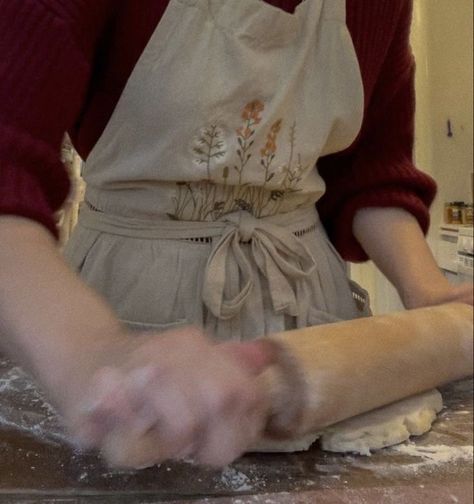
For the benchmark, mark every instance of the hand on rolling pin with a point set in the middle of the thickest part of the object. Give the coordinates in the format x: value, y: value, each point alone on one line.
x: 393, y: 239
x: 176, y: 395
x: 440, y: 293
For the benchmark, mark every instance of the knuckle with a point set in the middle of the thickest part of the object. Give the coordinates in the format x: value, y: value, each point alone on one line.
x: 188, y: 427
x: 230, y: 398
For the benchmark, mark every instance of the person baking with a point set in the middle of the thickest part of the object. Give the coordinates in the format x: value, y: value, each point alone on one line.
x: 231, y: 148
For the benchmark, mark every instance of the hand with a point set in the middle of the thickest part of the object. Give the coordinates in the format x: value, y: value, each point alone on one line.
x: 172, y: 396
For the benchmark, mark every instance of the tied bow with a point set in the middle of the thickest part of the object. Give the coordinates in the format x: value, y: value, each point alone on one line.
x: 280, y: 256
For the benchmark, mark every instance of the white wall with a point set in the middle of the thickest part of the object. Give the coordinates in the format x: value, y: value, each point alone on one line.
x: 442, y: 41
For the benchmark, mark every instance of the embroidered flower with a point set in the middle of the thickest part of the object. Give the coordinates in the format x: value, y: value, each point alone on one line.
x: 251, y: 116
x: 252, y: 110
x: 209, y: 146
x: 270, y: 146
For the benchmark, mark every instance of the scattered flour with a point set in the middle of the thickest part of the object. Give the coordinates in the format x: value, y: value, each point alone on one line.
x: 436, y: 454
x: 425, y: 459
x: 23, y: 406
x: 236, y: 480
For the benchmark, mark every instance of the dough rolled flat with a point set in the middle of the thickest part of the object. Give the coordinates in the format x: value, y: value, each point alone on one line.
x: 385, y: 426
x: 303, y: 443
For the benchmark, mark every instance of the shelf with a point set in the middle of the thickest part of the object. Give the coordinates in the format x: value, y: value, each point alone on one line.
x: 453, y: 227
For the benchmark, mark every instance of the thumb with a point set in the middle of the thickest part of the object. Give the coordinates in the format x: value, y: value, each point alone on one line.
x: 254, y: 356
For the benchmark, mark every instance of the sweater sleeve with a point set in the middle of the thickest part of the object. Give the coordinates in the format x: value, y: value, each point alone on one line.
x: 378, y: 170
x: 46, y: 52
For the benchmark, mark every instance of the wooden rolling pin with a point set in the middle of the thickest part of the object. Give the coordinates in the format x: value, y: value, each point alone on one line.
x: 325, y: 374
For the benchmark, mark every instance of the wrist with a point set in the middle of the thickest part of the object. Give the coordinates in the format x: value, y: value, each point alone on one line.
x: 425, y: 292
x: 77, y: 361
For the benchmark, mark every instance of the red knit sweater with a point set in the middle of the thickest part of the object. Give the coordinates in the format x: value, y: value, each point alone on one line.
x: 64, y: 64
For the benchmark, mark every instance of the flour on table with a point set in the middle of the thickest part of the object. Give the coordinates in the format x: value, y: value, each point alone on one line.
x: 385, y: 426
x: 24, y: 407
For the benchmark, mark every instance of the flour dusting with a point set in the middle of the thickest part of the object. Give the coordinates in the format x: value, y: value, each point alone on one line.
x: 418, y: 459
x: 23, y: 406
x: 236, y: 480
x: 436, y: 454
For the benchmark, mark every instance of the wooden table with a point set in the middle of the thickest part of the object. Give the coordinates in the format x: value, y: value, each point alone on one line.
x: 36, y: 465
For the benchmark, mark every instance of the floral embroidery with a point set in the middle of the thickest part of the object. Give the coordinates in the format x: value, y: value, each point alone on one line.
x: 225, y: 188
x: 244, y: 134
x: 209, y: 145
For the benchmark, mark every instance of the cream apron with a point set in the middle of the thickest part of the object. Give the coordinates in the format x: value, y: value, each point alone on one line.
x: 200, y: 200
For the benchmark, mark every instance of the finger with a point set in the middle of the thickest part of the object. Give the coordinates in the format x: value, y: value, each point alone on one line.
x: 127, y: 448
x: 165, y: 425
x: 222, y: 443
x: 235, y: 421
x: 130, y: 446
x: 107, y: 405
x: 181, y: 417
x: 227, y: 438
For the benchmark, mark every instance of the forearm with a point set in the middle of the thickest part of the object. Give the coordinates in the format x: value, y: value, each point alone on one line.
x: 47, y: 315
x: 140, y: 399
x: 394, y: 241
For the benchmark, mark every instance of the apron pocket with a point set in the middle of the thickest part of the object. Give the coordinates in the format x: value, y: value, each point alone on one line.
x: 361, y: 299
x: 152, y: 327
x: 79, y: 245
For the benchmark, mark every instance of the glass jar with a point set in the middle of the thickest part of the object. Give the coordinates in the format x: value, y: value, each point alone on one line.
x: 448, y: 213
x: 467, y: 214
x: 456, y: 212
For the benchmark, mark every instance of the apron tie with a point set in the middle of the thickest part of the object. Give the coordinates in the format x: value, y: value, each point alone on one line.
x: 280, y: 256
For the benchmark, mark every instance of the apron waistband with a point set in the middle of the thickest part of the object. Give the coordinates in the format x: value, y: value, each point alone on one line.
x: 272, y: 243
x: 299, y: 222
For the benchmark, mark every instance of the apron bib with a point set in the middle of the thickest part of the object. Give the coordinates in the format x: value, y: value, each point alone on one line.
x: 201, y: 190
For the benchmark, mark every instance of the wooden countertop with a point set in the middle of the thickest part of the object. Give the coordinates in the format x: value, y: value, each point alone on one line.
x: 37, y: 466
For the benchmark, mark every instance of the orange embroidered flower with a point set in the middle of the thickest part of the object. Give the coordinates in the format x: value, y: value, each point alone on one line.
x: 252, y: 110
x: 270, y: 146
x: 276, y: 127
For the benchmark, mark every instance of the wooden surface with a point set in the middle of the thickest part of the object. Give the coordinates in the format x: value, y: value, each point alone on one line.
x: 37, y: 466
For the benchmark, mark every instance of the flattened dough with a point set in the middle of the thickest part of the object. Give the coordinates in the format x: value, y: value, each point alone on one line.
x: 287, y: 446
x: 385, y: 426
